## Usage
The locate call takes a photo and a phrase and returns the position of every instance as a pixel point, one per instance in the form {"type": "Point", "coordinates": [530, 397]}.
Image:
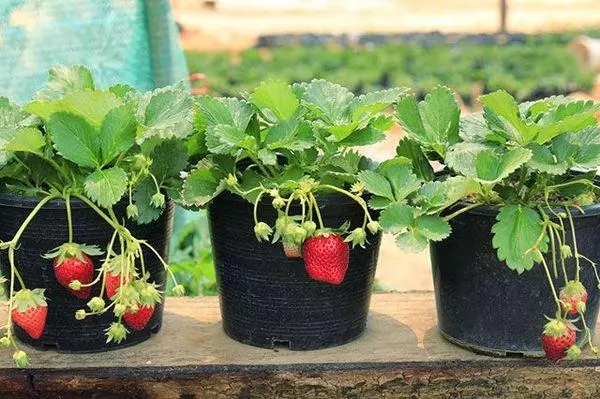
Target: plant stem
{"type": "Point", "coordinates": [356, 198]}
{"type": "Point", "coordinates": [577, 266]}
{"type": "Point", "coordinates": [460, 211]}
{"type": "Point", "coordinates": [556, 300]}
{"type": "Point", "coordinates": [69, 215]}
{"type": "Point", "coordinates": [317, 211]}
{"type": "Point", "coordinates": [99, 212]}
{"type": "Point", "coordinates": [256, 206]}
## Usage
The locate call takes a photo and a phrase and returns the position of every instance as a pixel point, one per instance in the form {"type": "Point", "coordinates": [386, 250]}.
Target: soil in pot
{"type": "Point", "coordinates": [484, 306]}
{"type": "Point", "coordinates": [267, 299]}
{"type": "Point", "coordinates": [48, 230]}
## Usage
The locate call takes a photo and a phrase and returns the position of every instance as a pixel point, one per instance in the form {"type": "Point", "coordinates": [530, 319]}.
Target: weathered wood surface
{"type": "Point", "coordinates": [400, 356]}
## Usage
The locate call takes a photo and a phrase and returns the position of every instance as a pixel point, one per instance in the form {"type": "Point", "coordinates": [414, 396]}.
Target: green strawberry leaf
{"type": "Point", "coordinates": [376, 202]}
{"type": "Point", "coordinates": [401, 178]}
{"type": "Point", "coordinates": [411, 241]}
{"type": "Point", "coordinates": [365, 136]}
{"type": "Point", "coordinates": [420, 164]}
{"type": "Point", "coordinates": [169, 158]}
{"type": "Point", "coordinates": [516, 232]}
{"type": "Point", "coordinates": [462, 157]}
{"type": "Point", "coordinates": [202, 185]}
{"type": "Point", "coordinates": [267, 157]}
{"type": "Point", "coordinates": [365, 105]}
{"type": "Point", "coordinates": [328, 101]}
{"type": "Point", "coordinates": [222, 139]}
{"type": "Point", "coordinates": [63, 80]}
{"type": "Point", "coordinates": [503, 116]}
{"type": "Point", "coordinates": [376, 184]}
{"type": "Point", "coordinates": [543, 160]}
{"type": "Point", "coordinates": [293, 135]}
{"type": "Point", "coordinates": [492, 165]}
{"type": "Point", "coordinates": [397, 217]}
{"type": "Point", "coordinates": [91, 105]}
{"type": "Point", "coordinates": [143, 200]}
{"type": "Point", "coordinates": [117, 133]}
{"type": "Point", "coordinates": [241, 112]}
{"type": "Point", "coordinates": [432, 227]}
{"type": "Point", "coordinates": [106, 186]}
{"type": "Point", "coordinates": [75, 139]}
{"type": "Point", "coordinates": [214, 111]}
{"type": "Point", "coordinates": [433, 122]}
{"type": "Point", "coordinates": [275, 100]}
{"type": "Point", "coordinates": [167, 113]}
{"type": "Point", "coordinates": [26, 140]}
{"type": "Point", "coordinates": [581, 149]}
{"type": "Point", "coordinates": [473, 129]}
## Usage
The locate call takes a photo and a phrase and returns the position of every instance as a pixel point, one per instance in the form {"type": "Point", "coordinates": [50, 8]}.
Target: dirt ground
{"type": "Point", "coordinates": [235, 24]}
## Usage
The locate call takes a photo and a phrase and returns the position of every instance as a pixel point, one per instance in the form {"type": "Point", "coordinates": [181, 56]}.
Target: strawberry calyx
{"type": "Point", "coordinates": [72, 250]}
{"type": "Point", "coordinates": [557, 328]}
{"type": "Point", "coordinates": [25, 299]}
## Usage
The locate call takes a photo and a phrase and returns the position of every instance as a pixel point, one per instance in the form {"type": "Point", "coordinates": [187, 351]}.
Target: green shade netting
{"type": "Point", "coordinates": [133, 42]}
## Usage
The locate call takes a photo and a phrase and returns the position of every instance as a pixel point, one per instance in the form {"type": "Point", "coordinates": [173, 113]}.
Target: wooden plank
{"type": "Point", "coordinates": [400, 355]}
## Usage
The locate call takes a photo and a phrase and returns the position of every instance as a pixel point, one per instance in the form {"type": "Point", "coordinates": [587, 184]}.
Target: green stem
{"type": "Point", "coordinates": [69, 216]}
{"type": "Point", "coordinates": [155, 182]}
{"type": "Point", "coordinates": [99, 212]}
{"type": "Point", "coordinates": [549, 277]}
{"type": "Point", "coordinates": [317, 211]}
{"type": "Point", "coordinates": [460, 211]}
{"type": "Point", "coordinates": [256, 206]}
{"type": "Point", "coordinates": [356, 198]}
{"type": "Point", "coordinates": [260, 166]}
{"type": "Point", "coordinates": [105, 263]}
{"type": "Point", "coordinates": [577, 266]}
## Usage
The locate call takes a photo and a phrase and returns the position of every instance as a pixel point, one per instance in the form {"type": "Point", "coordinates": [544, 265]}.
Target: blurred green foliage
{"type": "Point", "coordinates": [190, 254]}
{"type": "Point", "coordinates": [538, 67]}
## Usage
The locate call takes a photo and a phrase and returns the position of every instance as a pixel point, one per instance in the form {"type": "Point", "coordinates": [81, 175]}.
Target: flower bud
{"type": "Point", "coordinates": [278, 202]}
{"type": "Point", "coordinates": [158, 200]}
{"type": "Point", "coordinates": [274, 193]}
{"type": "Point", "coordinates": [132, 211]}
{"type": "Point", "coordinates": [262, 231]}
{"type": "Point", "coordinates": [5, 342]}
{"type": "Point", "coordinates": [179, 290]}
{"type": "Point", "coordinates": [373, 226]}
{"type": "Point", "coordinates": [231, 180]}
{"type": "Point", "coordinates": [116, 333]}
{"type": "Point", "coordinates": [119, 309]}
{"type": "Point", "coordinates": [96, 304]}
{"type": "Point", "coordinates": [75, 285]}
{"type": "Point", "coordinates": [581, 307]}
{"type": "Point", "coordinates": [20, 359]}
{"type": "Point", "coordinates": [310, 227]}
{"type": "Point", "coordinates": [299, 234]}
{"type": "Point", "coordinates": [573, 353]}
{"type": "Point", "coordinates": [80, 314]}
{"type": "Point", "coordinates": [565, 251]}
{"type": "Point", "coordinates": [358, 236]}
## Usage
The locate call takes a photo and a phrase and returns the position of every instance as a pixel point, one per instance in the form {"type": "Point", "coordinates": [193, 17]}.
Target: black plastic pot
{"type": "Point", "coordinates": [484, 306]}
{"type": "Point", "coordinates": [49, 230]}
{"type": "Point", "coordinates": [268, 299]}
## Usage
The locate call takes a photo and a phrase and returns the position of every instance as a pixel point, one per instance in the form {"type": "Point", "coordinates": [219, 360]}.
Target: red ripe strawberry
{"type": "Point", "coordinates": [326, 258]}
{"type": "Point", "coordinates": [112, 284]}
{"type": "Point", "coordinates": [116, 266]}
{"type": "Point", "coordinates": [147, 296]}
{"type": "Point", "coordinates": [570, 296]}
{"type": "Point", "coordinates": [30, 310]}
{"type": "Point", "coordinates": [557, 338]}
{"type": "Point", "coordinates": [72, 263]}
{"type": "Point", "coordinates": [292, 250]}
{"type": "Point", "coordinates": [138, 320]}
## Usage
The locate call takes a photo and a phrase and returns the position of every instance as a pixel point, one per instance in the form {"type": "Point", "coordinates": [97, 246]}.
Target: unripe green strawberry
{"type": "Point", "coordinates": [80, 314]}
{"type": "Point", "coordinates": [358, 236]}
{"type": "Point", "coordinates": [157, 200]}
{"type": "Point", "coordinates": [5, 342]}
{"type": "Point", "coordinates": [20, 359]}
{"type": "Point", "coordinates": [132, 211]}
{"type": "Point", "coordinates": [178, 290]}
{"type": "Point", "coordinates": [278, 203]}
{"type": "Point", "coordinates": [310, 227]}
{"type": "Point", "coordinates": [262, 231]}
{"type": "Point", "coordinates": [96, 304]}
{"type": "Point", "coordinates": [116, 333]}
{"type": "Point", "coordinates": [373, 227]}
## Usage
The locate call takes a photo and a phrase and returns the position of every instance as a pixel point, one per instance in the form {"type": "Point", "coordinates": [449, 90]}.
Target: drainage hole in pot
{"type": "Point", "coordinates": [49, 346]}
{"type": "Point", "coordinates": [278, 345]}
{"type": "Point", "coordinates": [517, 355]}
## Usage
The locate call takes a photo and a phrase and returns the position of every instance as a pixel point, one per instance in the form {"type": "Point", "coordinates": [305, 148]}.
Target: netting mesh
{"type": "Point", "coordinates": [128, 41]}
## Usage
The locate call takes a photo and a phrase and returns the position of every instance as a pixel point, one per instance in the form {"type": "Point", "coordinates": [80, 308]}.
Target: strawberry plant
{"type": "Point", "coordinates": [520, 158]}
{"type": "Point", "coordinates": [288, 145]}
{"type": "Point", "coordinates": [102, 147]}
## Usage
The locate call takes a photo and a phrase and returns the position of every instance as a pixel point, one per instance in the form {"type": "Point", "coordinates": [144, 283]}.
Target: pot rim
{"type": "Point", "coordinates": [13, 200]}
